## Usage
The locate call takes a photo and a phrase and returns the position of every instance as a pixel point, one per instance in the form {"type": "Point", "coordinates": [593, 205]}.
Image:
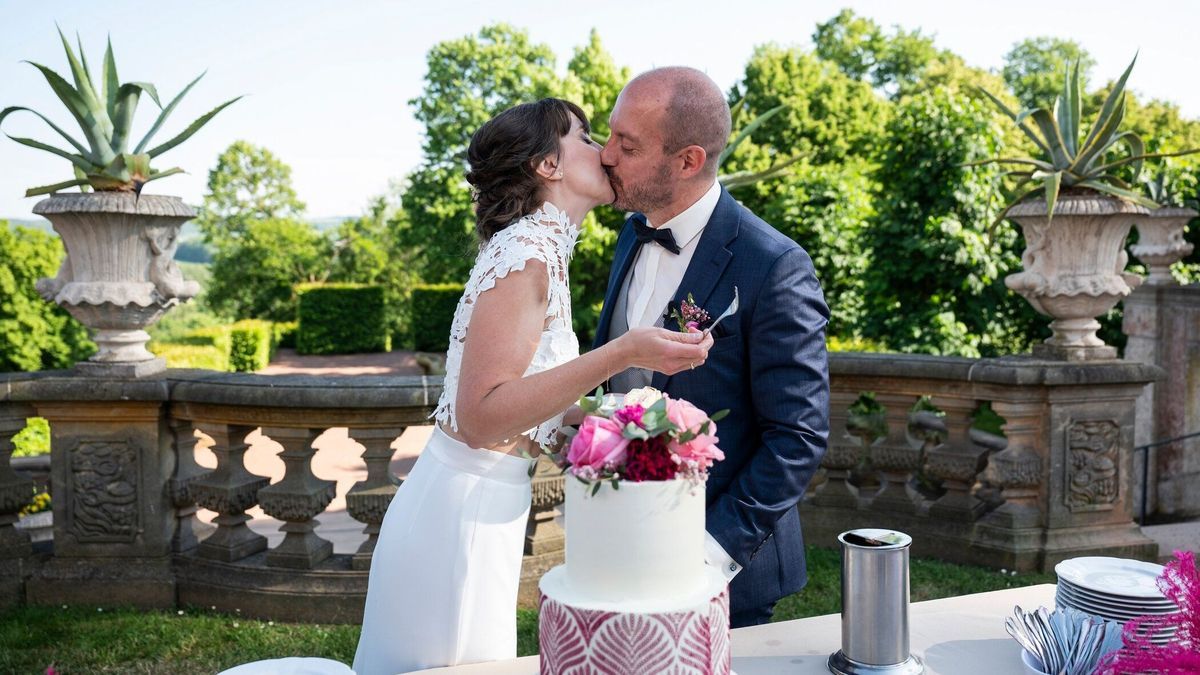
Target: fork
{"type": "Point", "coordinates": [729, 311]}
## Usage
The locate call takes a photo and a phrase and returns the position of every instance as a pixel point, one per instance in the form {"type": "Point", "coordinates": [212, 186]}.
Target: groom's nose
{"type": "Point", "coordinates": [608, 154]}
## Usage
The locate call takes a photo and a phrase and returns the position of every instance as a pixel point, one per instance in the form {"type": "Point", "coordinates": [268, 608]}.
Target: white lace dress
{"type": "Point", "coordinates": [444, 575]}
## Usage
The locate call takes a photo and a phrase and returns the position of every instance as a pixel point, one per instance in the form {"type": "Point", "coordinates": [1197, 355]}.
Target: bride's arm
{"type": "Point", "coordinates": [496, 403]}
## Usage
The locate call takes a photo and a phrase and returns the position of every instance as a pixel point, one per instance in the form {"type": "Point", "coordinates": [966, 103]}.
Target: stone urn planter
{"type": "Point", "coordinates": [39, 526]}
{"type": "Point", "coordinates": [1074, 268]}
{"type": "Point", "coordinates": [119, 275]}
{"type": "Point", "coordinates": [1160, 242]}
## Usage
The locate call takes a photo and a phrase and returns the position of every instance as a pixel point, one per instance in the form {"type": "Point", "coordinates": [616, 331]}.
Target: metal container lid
{"type": "Point", "coordinates": [874, 539]}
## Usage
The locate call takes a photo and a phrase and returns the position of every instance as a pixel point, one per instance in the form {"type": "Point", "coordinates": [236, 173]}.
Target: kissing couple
{"type": "Point", "coordinates": [444, 576]}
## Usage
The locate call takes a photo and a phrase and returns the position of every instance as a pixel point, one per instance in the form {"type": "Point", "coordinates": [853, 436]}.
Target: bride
{"type": "Point", "coordinates": [444, 576]}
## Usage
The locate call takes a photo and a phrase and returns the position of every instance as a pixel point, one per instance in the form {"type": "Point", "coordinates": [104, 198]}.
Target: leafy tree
{"type": "Point", "coordinates": [261, 248]}
{"type": "Point", "coordinates": [254, 277]}
{"type": "Point", "coordinates": [249, 183]}
{"type": "Point", "coordinates": [365, 252]}
{"type": "Point", "coordinates": [600, 81]}
{"type": "Point", "coordinates": [468, 81]}
{"type": "Point", "coordinates": [34, 334]}
{"type": "Point", "coordinates": [829, 115]}
{"type": "Point", "coordinates": [360, 245]}
{"type": "Point", "coordinates": [1035, 68]}
{"type": "Point", "coordinates": [859, 47]}
{"type": "Point", "coordinates": [826, 209]}
{"type": "Point", "coordinates": [935, 280]}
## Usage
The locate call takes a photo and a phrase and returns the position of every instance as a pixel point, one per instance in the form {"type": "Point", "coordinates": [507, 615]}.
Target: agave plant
{"type": "Point", "coordinates": [739, 178]}
{"type": "Point", "coordinates": [104, 110]}
{"type": "Point", "coordinates": [1069, 159]}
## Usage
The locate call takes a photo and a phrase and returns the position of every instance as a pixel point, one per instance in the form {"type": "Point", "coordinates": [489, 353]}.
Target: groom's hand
{"type": "Point", "coordinates": [666, 351]}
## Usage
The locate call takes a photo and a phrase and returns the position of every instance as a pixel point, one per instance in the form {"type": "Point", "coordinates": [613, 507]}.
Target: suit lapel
{"type": "Point", "coordinates": [709, 261]}
{"type": "Point", "coordinates": [622, 260]}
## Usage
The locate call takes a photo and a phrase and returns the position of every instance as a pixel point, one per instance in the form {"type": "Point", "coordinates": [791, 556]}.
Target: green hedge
{"type": "Point", "coordinates": [178, 355]}
{"type": "Point", "coordinates": [285, 333]}
{"type": "Point", "coordinates": [250, 345]}
{"type": "Point", "coordinates": [341, 319]}
{"type": "Point", "coordinates": [433, 308]}
{"type": "Point", "coordinates": [211, 336]}
{"type": "Point", "coordinates": [33, 440]}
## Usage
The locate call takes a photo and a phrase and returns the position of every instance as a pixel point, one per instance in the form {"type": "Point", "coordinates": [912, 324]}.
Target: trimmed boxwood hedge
{"type": "Point", "coordinates": [250, 345]}
{"type": "Point", "coordinates": [178, 355]}
{"type": "Point", "coordinates": [433, 308]}
{"type": "Point", "coordinates": [285, 334]}
{"type": "Point", "coordinates": [341, 319]}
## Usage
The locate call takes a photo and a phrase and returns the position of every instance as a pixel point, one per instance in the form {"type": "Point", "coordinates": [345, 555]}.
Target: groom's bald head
{"type": "Point", "coordinates": [694, 107]}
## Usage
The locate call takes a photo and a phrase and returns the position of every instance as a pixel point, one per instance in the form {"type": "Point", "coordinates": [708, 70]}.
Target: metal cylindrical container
{"type": "Point", "coordinates": [874, 604]}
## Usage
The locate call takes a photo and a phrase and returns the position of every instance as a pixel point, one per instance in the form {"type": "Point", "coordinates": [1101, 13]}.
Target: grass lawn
{"type": "Point", "coordinates": [109, 640]}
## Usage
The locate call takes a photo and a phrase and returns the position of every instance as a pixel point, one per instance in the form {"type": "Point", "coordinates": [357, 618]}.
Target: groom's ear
{"type": "Point", "coordinates": [694, 158]}
{"type": "Point", "coordinates": [547, 168]}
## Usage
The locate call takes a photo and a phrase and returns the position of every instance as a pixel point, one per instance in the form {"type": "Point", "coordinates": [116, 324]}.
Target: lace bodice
{"type": "Point", "coordinates": [545, 235]}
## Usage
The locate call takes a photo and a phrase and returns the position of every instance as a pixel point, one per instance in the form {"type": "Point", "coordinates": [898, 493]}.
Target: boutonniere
{"type": "Point", "coordinates": [689, 315]}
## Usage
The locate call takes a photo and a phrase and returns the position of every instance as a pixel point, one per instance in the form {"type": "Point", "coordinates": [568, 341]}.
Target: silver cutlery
{"type": "Point", "coordinates": [729, 311]}
{"type": "Point", "coordinates": [1066, 641]}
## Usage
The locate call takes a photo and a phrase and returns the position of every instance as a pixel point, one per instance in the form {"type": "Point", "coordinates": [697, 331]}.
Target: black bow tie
{"type": "Point", "coordinates": [646, 234]}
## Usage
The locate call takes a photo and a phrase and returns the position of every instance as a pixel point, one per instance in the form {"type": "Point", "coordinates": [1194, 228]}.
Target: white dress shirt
{"type": "Point", "coordinates": [653, 281]}
{"type": "Point", "coordinates": [656, 272]}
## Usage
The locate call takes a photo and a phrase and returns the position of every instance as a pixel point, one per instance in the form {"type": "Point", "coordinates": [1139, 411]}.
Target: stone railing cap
{"type": "Point", "coordinates": [304, 391]}
{"type": "Point", "coordinates": [1007, 370]}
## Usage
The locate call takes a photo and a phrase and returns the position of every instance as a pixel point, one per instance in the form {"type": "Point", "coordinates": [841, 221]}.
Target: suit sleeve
{"type": "Point", "coordinates": [789, 375]}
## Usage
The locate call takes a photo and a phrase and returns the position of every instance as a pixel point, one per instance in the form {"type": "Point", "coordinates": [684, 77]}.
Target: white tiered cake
{"type": "Point", "coordinates": [635, 595]}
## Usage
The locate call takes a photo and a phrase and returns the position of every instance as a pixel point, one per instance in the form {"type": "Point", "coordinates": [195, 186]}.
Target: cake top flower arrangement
{"type": "Point", "coordinates": [644, 436]}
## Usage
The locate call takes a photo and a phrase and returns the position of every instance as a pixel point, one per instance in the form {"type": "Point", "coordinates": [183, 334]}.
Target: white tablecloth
{"type": "Point", "coordinates": [951, 636]}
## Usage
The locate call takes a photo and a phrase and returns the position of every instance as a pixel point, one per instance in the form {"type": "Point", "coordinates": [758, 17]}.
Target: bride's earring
{"type": "Point", "coordinates": [559, 174]}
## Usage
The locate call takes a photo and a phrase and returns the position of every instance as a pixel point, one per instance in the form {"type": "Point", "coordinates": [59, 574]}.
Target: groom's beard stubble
{"type": "Point", "coordinates": [645, 197]}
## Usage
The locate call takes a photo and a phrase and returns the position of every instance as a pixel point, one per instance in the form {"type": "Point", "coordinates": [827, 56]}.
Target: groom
{"type": "Point", "coordinates": [767, 364]}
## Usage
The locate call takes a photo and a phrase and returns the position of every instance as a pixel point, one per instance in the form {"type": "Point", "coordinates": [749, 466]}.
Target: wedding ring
{"type": "Point", "coordinates": [693, 365]}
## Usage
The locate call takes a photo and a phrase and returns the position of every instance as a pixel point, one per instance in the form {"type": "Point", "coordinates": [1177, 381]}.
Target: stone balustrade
{"type": "Point", "coordinates": [904, 453]}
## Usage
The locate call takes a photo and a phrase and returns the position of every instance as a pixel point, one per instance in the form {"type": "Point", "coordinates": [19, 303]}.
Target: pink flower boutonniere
{"type": "Point", "coordinates": [690, 315]}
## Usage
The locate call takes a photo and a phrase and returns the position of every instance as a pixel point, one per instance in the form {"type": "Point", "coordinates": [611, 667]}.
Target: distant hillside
{"type": "Point", "coordinates": [35, 223]}
{"type": "Point", "coordinates": [189, 232]}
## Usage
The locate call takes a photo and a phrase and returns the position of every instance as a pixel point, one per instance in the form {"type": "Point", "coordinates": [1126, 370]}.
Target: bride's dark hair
{"type": "Point", "coordinates": [503, 155]}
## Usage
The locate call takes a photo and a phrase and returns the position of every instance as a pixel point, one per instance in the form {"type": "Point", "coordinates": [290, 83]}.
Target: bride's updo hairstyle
{"type": "Point", "coordinates": [503, 155]}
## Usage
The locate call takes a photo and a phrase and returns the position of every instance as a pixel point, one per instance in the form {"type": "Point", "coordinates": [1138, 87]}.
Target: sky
{"type": "Point", "coordinates": [327, 84]}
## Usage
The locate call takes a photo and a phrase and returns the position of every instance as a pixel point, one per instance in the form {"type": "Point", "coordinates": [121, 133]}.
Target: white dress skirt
{"type": "Point", "coordinates": [444, 576]}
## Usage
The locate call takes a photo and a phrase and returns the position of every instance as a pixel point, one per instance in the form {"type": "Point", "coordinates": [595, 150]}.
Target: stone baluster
{"type": "Point", "coordinates": [543, 534]}
{"type": "Point", "coordinates": [368, 500]}
{"type": "Point", "coordinates": [957, 462]}
{"type": "Point", "coordinates": [183, 439]}
{"type": "Point", "coordinates": [840, 457]}
{"type": "Point", "coordinates": [229, 490]}
{"type": "Point", "coordinates": [296, 500]}
{"type": "Point", "coordinates": [544, 537]}
{"type": "Point", "coordinates": [897, 455]}
{"type": "Point", "coordinates": [1017, 469]}
{"type": "Point", "coordinates": [15, 491]}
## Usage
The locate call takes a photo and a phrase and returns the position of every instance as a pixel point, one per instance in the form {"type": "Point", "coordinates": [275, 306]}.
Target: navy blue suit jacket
{"type": "Point", "coordinates": [768, 366]}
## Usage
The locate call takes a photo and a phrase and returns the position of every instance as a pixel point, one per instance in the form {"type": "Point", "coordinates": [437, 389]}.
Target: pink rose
{"type": "Point", "coordinates": [701, 449]}
{"type": "Point", "coordinates": [598, 443]}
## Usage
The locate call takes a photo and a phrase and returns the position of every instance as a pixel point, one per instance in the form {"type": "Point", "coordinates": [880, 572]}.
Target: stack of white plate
{"type": "Point", "coordinates": [1114, 588]}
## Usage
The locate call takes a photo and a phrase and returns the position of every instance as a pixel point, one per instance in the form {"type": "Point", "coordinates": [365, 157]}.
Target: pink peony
{"type": "Point", "coordinates": [701, 449]}
{"type": "Point", "coordinates": [598, 443]}
{"type": "Point", "coordinates": [630, 413]}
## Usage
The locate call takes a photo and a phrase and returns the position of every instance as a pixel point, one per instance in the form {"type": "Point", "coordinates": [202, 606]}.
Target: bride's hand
{"type": "Point", "coordinates": [665, 351]}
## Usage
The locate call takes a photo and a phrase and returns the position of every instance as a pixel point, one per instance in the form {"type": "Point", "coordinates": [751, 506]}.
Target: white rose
{"type": "Point", "coordinates": [643, 396]}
